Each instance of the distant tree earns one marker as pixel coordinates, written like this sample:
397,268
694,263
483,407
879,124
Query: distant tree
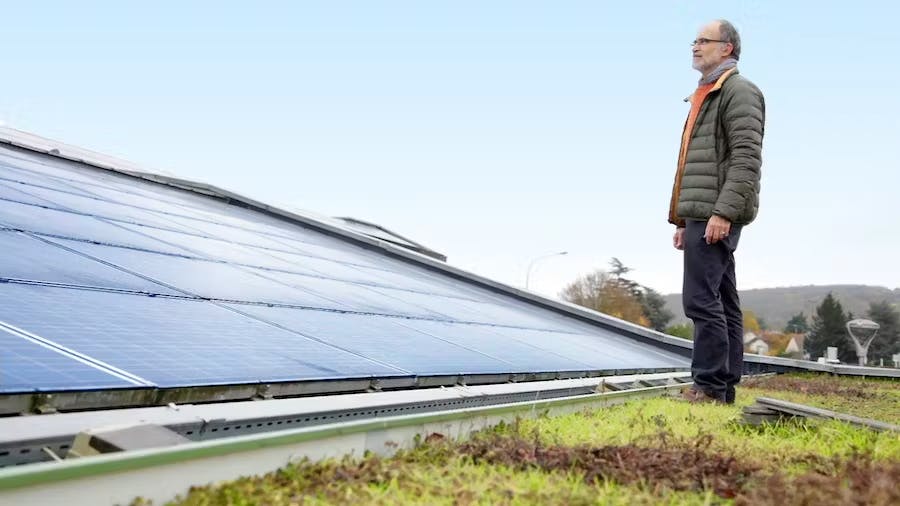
829,329
616,295
617,301
586,290
617,274
762,323
751,324
652,302
654,306
602,292
797,324
887,341
684,331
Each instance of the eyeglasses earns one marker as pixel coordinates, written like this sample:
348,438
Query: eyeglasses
701,41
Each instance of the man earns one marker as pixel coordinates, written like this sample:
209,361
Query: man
716,194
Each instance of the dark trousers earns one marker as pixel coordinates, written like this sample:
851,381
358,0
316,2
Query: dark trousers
711,301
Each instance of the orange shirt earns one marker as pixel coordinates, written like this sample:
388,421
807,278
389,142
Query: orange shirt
696,101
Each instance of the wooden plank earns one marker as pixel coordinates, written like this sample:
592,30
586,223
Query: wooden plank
810,411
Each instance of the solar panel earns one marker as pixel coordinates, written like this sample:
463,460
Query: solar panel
175,289
601,351
177,343
333,250
28,366
59,169
201,278
15,177
101,208
10,191
359,297
29,258
54,222
229,233
216,249
524,356
385,340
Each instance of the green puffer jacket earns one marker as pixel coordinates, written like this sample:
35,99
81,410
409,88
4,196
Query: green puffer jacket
721,168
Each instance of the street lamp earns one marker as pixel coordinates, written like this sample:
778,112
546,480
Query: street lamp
862,332
531,265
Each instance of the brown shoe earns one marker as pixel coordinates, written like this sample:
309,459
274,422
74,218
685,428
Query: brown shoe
697,396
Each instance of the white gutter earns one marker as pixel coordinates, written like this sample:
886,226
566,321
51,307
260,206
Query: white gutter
161,474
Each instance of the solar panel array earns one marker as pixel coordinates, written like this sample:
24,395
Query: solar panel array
108,281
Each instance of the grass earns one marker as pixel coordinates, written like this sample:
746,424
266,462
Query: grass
877,399
658,451
454,481
646,422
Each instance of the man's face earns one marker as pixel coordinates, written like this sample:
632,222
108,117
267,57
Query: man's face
708,55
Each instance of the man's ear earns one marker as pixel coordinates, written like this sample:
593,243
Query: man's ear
729,49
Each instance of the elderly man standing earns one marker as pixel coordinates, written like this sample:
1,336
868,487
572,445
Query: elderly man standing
716,194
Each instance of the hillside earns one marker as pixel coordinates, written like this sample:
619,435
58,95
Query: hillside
777,305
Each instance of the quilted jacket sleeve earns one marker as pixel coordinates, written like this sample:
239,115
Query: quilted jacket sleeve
744,112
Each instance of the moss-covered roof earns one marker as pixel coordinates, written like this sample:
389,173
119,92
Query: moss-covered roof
659,451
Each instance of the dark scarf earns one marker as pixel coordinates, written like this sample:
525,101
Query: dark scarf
723,67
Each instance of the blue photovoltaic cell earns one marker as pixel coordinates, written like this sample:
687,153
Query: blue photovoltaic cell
172,342
202,278
231,234
330,268
23,178
444,308
101,208
536,357
346,253
409,280
398,271
265,225
159,202
382,339
61,170
603,350
277,252
355,297
200,208
48,221
338,270
638,354
26,366
169,200
13,192
516,313
28,258
215,249
325,245
472,311
632,353
322,260
77,226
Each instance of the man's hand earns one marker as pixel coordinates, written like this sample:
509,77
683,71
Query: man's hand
678,240
717,228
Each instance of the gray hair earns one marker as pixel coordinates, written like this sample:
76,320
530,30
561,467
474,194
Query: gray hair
729,33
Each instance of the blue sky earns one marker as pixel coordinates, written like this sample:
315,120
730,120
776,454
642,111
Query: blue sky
494,132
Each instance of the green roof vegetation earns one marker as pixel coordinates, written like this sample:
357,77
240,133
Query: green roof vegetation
868,398
657,451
